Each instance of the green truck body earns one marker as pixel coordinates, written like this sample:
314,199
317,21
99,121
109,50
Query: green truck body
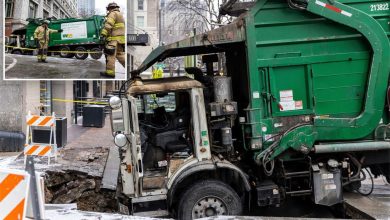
326,66
85,31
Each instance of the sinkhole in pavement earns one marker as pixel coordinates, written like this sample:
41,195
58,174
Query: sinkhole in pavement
65,187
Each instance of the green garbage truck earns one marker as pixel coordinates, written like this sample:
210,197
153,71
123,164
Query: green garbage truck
80,35
301,108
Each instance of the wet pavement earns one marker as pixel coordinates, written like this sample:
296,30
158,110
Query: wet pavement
27,67
374,206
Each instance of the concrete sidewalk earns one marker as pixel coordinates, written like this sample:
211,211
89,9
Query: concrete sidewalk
76,176
27,67
90,137
86,151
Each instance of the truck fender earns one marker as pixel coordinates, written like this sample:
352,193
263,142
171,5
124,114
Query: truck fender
230,166
194,166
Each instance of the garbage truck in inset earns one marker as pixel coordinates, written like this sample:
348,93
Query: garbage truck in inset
79,36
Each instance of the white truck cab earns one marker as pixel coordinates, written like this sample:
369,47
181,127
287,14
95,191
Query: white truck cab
161,128
14,44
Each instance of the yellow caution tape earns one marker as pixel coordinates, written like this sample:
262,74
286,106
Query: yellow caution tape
53,51
20,48
82,102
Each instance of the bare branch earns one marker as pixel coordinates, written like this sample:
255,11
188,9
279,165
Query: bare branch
206,11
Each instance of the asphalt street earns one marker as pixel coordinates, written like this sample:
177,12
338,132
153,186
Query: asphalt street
27,67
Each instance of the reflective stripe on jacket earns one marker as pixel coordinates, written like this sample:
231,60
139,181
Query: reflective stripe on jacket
39,33
114,26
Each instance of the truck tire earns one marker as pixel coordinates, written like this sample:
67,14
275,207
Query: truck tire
96,56
66,55
81,56
18,52
209,198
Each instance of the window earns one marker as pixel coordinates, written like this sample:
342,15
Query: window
45,14
47,4
141,5
9,8
140,21
55,8
45,98
131,117
32,12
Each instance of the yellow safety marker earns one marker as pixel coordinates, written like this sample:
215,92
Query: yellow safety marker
83,102
55,51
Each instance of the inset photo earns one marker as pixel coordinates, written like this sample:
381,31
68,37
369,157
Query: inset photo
56,40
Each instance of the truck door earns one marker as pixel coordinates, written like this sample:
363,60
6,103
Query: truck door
135,140
132,168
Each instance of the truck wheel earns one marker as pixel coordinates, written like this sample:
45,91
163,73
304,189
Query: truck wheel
96,56
18,52
209,198
65,54
81,56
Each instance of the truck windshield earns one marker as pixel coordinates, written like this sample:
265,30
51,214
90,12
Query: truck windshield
165,126
11,41
147,103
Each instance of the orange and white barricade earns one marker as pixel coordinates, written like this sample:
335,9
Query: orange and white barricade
14,188
41,149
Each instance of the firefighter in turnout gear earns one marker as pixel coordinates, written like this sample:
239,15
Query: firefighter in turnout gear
114,34
42,37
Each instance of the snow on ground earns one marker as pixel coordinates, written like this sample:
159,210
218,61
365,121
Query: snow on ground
65,214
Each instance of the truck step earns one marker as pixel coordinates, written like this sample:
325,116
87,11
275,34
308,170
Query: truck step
153,214
148,198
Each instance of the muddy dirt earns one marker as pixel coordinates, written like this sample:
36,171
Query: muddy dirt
78,180
77,187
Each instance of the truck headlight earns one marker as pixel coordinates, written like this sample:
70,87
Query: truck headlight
115,102
120,140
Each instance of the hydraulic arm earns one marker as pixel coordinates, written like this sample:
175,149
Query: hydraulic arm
302,138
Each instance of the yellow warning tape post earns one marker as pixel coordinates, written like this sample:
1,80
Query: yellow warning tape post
55,51
82,102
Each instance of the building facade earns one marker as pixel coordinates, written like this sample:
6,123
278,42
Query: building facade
44,98
86,8
18,11
143,17
130,30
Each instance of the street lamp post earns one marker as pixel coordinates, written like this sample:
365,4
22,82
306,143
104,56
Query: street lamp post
160,17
